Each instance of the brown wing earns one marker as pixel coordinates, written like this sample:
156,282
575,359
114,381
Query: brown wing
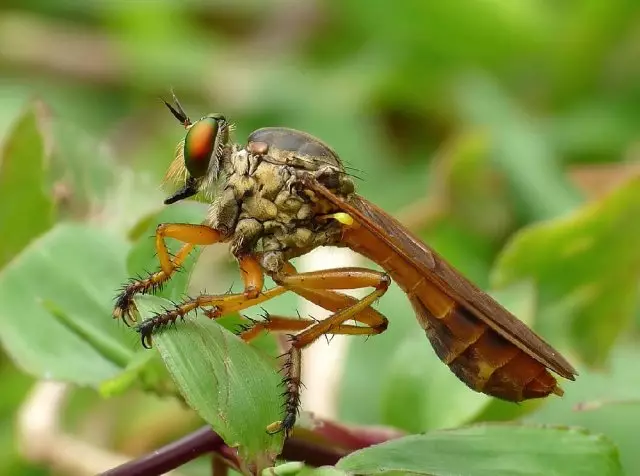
435,269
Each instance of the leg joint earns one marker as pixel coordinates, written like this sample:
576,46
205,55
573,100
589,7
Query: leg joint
385,282
161,228
380,328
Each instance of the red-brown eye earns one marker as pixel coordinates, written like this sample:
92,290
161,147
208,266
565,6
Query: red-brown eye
199,146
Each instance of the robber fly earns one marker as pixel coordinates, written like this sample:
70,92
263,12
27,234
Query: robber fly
284,193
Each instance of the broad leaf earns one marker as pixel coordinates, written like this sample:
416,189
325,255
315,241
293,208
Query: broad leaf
232,385
55,306
26,207
587,266
604,402
491,450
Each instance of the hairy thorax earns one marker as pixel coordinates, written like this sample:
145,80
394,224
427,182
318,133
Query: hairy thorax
259,203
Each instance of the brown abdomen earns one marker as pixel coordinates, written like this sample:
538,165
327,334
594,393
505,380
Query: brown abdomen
483,359
479,356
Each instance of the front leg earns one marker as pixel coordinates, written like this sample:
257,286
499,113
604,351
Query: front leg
191,235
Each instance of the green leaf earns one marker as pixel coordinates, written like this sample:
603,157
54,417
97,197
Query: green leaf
600,392
586,266
418,379
286,469
473,191
520,150
321,471
81,170
55,306
26,209
491,450
231,385
145,370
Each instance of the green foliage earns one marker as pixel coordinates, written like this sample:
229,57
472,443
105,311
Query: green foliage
491,450
22,180
61,313
606,402
519,150
586,266
231,385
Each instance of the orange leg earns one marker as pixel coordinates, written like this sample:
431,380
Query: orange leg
220,304
315,286
191,235
310,286
252,275
223,304
274,323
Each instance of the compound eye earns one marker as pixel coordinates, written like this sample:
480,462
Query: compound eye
199,145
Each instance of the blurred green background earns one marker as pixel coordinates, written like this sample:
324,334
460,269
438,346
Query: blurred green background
505,133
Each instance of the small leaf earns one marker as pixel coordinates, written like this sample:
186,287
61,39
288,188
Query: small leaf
26,209
230,384
491,450
586,266
286,469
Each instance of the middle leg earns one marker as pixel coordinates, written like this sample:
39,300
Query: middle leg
315,286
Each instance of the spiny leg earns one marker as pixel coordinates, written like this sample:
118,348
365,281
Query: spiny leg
315,286
251,328
191,235
312,286
275,323
292,367
220,304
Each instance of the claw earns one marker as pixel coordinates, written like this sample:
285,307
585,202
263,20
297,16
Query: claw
126,314
145,335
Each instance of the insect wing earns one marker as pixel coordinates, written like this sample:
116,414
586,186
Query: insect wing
436,270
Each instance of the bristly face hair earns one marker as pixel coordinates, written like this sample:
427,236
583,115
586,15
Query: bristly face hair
198,156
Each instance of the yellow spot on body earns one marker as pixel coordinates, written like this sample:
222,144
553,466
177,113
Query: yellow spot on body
485,371
445,307
343,218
